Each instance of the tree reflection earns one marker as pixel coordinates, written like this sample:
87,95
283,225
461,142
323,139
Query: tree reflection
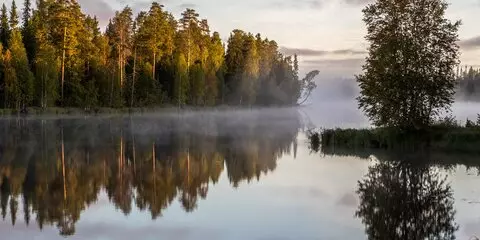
403,200
55,169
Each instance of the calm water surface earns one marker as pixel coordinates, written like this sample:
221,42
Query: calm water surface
222,175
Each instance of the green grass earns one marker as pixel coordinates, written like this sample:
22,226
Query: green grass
444,138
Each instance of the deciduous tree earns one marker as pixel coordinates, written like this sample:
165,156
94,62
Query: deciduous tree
409,75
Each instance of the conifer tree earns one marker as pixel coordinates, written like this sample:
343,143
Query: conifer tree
24,77
13,15
4,26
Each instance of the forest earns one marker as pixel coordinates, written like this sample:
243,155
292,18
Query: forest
468,87
57,56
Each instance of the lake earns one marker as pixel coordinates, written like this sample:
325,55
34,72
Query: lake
246,174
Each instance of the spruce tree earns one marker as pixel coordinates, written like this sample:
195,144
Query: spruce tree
4,26
13,15
28,31
24,76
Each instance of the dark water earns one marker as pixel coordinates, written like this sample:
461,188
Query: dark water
222,175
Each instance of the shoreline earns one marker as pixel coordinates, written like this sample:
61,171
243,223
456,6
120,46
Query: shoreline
436,138
99,111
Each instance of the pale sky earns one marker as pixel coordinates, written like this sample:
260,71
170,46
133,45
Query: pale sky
327,34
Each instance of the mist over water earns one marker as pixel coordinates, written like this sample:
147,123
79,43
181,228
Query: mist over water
333,104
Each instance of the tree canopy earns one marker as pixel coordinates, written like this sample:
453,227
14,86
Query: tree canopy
56,55
409,75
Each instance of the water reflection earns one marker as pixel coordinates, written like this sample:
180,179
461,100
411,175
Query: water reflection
55,169
406,199
406,195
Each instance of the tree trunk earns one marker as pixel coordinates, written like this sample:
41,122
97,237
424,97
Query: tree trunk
63,169
188,166
153,156
120,59
133,77
133,147
120,160
154,63
63,61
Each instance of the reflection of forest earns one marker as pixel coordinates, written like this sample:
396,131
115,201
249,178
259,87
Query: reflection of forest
406,200
56,168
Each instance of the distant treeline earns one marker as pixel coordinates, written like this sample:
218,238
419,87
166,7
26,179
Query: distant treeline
468,84
58,56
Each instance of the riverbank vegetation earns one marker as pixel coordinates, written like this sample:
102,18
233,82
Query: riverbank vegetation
408,83
445,135
57,56
468,88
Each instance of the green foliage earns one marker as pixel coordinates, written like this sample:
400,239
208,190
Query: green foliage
28,31
59,57
448,121
258,74
409,76
2,77
315,140
13,16
11,83
24,77
4,26
438,137
468,84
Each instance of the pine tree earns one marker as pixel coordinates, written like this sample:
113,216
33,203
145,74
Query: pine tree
119,33
215,84
66,24
46,61
250,73
28,31
156,35
181,80
27,13
2,77
4,26
24,76
11,84
13,15
149,61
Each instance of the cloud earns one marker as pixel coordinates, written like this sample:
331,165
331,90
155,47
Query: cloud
470,43
357,2
312,4
184,6
334,68
349,199
336,62
307,52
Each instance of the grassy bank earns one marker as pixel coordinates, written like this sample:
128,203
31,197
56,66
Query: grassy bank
443,138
